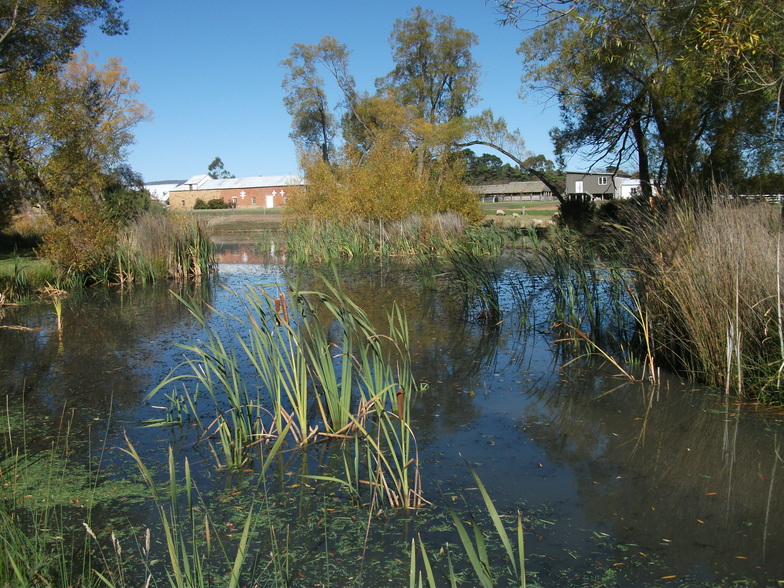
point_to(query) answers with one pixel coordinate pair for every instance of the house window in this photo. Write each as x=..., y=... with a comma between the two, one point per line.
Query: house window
x=253, y=200
x=603, y=181
x=234, y=201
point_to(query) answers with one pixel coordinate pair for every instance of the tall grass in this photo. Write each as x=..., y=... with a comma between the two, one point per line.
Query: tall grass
x=710, y=276
x=158, y=246
x=314, y=241
x=155, y=246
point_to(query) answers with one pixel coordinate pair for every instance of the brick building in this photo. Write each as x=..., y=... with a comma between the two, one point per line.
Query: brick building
x=248, y=192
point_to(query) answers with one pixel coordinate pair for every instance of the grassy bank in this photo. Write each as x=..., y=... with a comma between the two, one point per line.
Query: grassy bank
x=264, y=219
x=520, y=214
x=242, y=220
x=154, y=246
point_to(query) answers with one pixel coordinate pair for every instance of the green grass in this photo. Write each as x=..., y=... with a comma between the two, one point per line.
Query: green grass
x=22, y=259
x=240, y=220
x=22, y=274
x=539, y=208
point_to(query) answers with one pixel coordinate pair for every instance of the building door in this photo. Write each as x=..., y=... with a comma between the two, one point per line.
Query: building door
x=270, y=200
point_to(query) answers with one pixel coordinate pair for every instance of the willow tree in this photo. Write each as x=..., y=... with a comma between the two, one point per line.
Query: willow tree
x=394, y=154
x=634, y=80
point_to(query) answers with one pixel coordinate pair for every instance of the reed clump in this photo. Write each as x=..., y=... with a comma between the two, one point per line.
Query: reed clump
x=299, y=368
x=586, y=288
x=154, y=246
x=158, y=246
x=309, y=240
x=709, y=276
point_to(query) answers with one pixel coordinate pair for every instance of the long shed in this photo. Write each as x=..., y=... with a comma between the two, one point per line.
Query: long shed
x=513, y=192
x=245, y=192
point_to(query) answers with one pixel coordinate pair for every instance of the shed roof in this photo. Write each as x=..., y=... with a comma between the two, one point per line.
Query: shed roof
x=534, y=187
x=164, y=183
x=240, y=183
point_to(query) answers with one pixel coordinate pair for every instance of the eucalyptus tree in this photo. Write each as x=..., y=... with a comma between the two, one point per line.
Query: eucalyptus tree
x=312, y=119
x=639, y=80
x=434, y=71
x=217, y=171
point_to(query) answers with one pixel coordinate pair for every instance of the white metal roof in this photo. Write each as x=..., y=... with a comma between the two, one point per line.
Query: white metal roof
x=201, y=183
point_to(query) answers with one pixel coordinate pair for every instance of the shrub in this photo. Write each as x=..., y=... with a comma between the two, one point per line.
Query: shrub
x=80, y=245
x=217, y=204
x=213, y=204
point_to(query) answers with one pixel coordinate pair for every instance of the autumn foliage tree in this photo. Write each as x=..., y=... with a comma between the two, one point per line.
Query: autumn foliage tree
x=397, y=156
x=65, y=125
x=381, y=184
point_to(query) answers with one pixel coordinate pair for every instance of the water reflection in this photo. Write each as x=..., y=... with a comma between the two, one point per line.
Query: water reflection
x=623, y=472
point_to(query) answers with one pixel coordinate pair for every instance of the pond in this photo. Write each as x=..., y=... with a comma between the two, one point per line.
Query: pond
x=618, y=482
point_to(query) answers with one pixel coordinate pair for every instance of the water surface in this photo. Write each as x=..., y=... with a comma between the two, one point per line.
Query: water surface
x=627, y=483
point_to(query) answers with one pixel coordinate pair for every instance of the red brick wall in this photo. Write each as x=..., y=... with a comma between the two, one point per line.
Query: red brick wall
x=244, y=196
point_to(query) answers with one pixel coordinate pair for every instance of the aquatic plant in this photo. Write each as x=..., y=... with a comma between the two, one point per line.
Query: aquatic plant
x=183, y=530
x=475, y=548
x=311, y=241
x=477, y=278
x=356, y=390
x=590, y=300
x=47, y=497
x=157, y=246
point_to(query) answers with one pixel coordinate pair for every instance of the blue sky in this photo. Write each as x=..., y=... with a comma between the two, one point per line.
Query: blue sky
x=211, y=73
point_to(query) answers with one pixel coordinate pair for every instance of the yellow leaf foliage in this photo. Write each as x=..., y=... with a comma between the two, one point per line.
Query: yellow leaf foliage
x=386, y=183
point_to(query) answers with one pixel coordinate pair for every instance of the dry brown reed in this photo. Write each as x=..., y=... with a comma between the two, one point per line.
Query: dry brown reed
x=709, y=277
x=156, y=246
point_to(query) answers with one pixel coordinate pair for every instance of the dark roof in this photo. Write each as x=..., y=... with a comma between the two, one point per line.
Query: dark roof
x=534, y=187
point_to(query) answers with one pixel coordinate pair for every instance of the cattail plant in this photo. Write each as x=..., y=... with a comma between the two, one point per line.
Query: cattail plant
x=347, y=389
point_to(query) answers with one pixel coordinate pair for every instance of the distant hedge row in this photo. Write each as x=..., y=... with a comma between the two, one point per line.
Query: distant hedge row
x=214, y=204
